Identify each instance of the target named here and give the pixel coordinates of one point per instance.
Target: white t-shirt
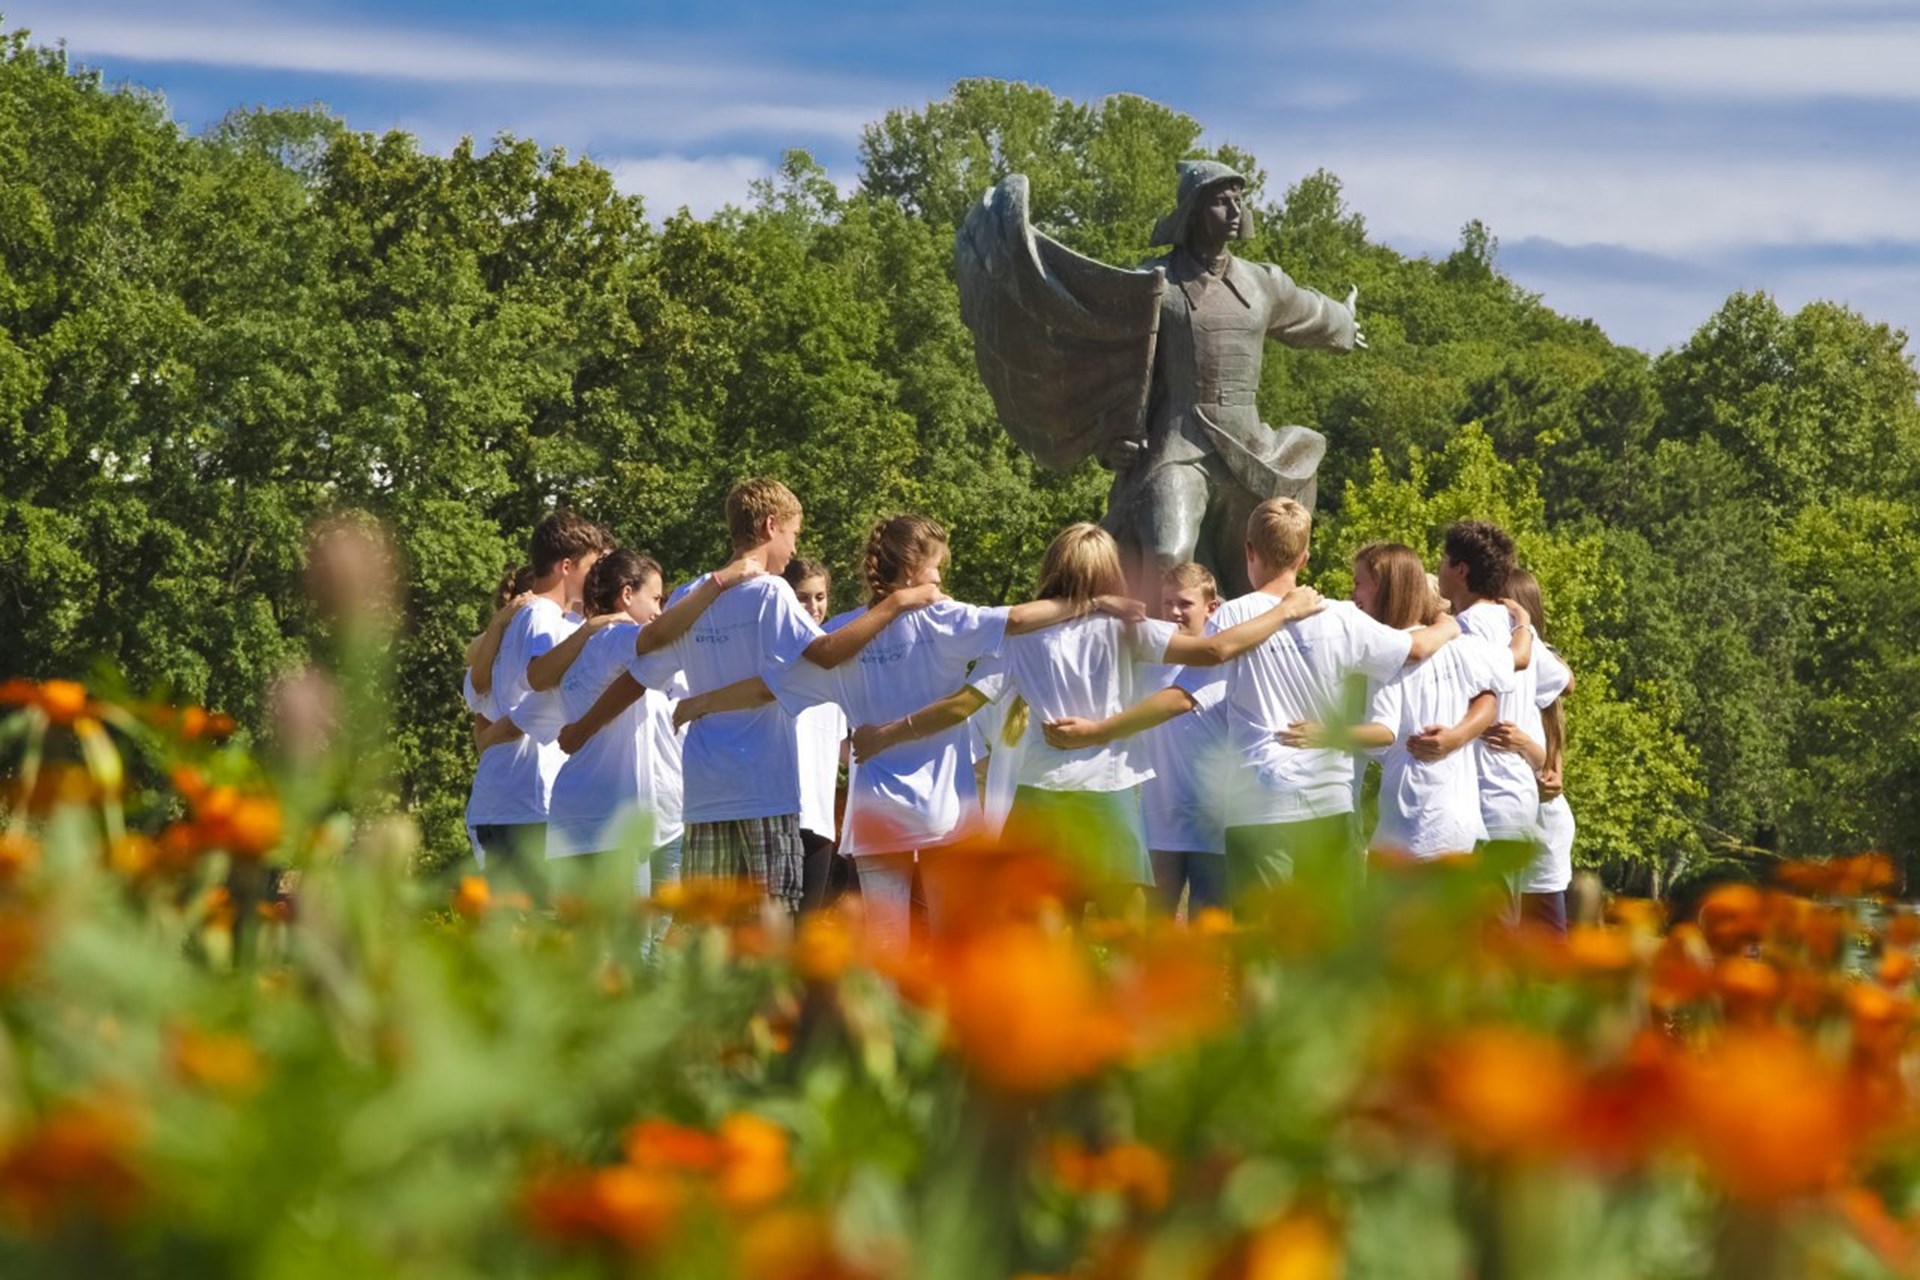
(1431, 807)
(609, 785)
(989, 738)
(1509, 791)
(481, 707)
(515, 779)
(665, 745)
(818, 732)
(1185, 804)
(1552, 868)
(738, 764)
(1298, 673)
(1087, 668)
(918, 794)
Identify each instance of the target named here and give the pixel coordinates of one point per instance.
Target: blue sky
(1637, 160)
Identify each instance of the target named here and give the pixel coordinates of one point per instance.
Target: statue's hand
(1120, 455)
(1353, 309)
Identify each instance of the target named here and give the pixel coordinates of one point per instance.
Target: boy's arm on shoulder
(1230, 642)
(679, 617)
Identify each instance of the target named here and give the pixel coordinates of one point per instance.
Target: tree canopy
(208, 340)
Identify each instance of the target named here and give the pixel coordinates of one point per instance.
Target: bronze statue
(1152, 371)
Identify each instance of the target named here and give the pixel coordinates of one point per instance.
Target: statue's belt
(1290, 459)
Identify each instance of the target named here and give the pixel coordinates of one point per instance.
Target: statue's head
(1201, 182)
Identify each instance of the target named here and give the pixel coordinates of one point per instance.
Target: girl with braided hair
(905, 809)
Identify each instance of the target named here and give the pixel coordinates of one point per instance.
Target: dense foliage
(206, 341)
(204, 1074)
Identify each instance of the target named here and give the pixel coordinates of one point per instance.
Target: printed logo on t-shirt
(877, 655)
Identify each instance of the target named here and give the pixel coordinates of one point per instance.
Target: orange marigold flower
(62, 701)
(661, 1144)
(1638, 915)
(19, 853)
(792, 1245)
(1748, 989)
(133, 856)
(823, 947)
(1879, 1019)
(1024, 1011)
(1504, 1091)
(472, 896)
(1130, 1169)
(1895, 968)
(254, 827)
(753, 1161)
(1902, 928)
(634, 1209)
(1626, 1109)
(1768, 1117)
(77, 1162)
(1731, 918)
(218, 1061)
(1298, 1246)
(1679, 974)
(1590, 949)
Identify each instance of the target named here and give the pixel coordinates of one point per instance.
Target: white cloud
(670, 97)
(1876, 60)
(1675, 203)
(700, 183)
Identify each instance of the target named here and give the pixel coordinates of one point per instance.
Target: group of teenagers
(1188, 753)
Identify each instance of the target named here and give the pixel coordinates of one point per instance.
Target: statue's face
(1217, 219)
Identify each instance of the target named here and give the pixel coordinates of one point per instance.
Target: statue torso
(1213, 333)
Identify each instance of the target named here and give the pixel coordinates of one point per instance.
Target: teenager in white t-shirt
(1292, 802)
(1082, 799)
(908, 804)
(740, 767)
(1184, 804)
(1474, 567)
(820, 735)
(605, 799)
(508, 806)
(1543, 882)
(1429, 801)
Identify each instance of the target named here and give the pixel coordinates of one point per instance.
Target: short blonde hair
(1082, 562)
(1188, 575)
(751, 503)
(1278, 531)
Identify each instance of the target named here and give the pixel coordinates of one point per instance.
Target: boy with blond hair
(1291, 802)
(740, 768)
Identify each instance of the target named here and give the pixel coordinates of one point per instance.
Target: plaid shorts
(766, 851)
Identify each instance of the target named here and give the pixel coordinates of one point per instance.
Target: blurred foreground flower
(77, 1162)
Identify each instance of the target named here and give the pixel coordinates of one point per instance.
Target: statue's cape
(1064, 343)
